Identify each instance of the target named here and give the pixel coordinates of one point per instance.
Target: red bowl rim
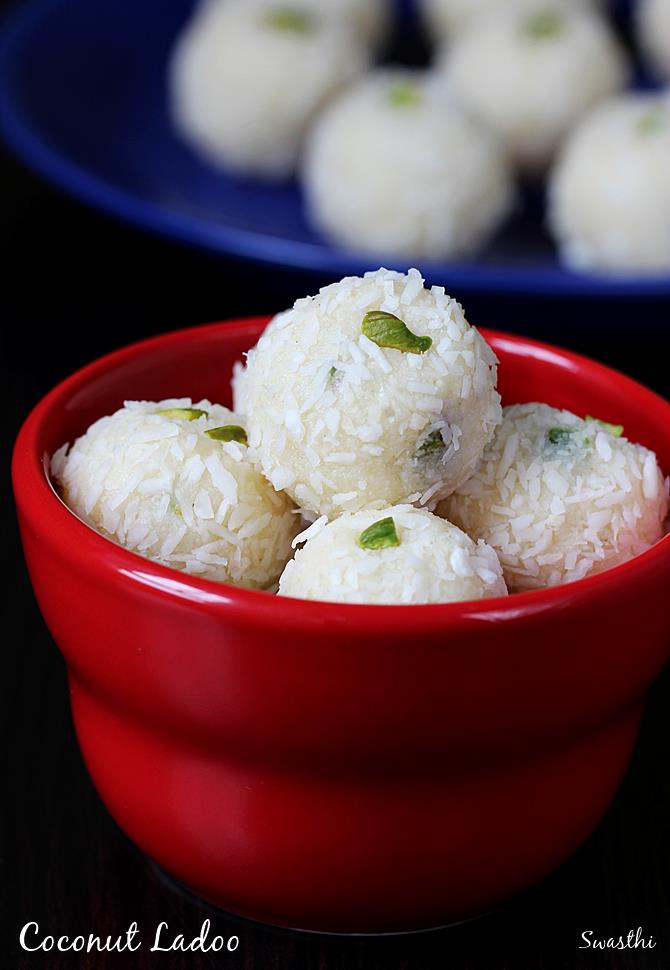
(35, 494)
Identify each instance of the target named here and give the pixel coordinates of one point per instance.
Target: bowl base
(182, 889)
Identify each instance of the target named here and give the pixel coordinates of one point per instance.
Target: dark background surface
(75, 285)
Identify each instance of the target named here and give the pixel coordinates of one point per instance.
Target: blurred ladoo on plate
(532, 71)
(396, 167)
(609, 196)
(248, 76)
(256, 86)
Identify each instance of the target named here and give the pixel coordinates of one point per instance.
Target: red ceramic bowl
(336, 767)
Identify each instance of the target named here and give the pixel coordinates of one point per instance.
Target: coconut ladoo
(532, 71)
(248, 76)
(560, 498)
(609, 195)
(374, 392)
(395, 166)
(400, 555)
(173, 482)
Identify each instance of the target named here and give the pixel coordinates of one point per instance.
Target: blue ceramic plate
(83, 101)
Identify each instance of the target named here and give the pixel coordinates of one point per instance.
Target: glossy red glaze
(342, 767)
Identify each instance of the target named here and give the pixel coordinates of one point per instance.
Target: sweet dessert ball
(374, 392)
(172, 481)
(532, 70)
(396, 167)
(609, 195)
(248, 77)
(397, 556)
(560, 498)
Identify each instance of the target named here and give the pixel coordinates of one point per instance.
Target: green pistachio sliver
(543, 25)
(379, 535)
(430, 444)
(289, 20)
(182, 414)
(403, 94)
(332, 372)
(613, 429)
(228, 432)
(387, 330)
(559, 436)
(652, 121)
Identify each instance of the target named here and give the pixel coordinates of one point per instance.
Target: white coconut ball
(159, 485)
(532, 73)
(609, 198)
(395, 167)
(248, 77)
(343, 420)
(395, 556)
(560, 498)
(652, 22)
(445, 18)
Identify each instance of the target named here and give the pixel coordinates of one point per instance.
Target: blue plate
(83, 101)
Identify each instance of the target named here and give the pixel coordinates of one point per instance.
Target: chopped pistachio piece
(379, 535)
(182, 414)
(229, 432)
(558, 436)
(332, 372)
(290, 20)
(430, 444)
(544, 25)
(387, 330)
(404, 94)
(653, 120)
(613, 429)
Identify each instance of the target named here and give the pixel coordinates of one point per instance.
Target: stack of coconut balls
(421, 163)
(368, 413)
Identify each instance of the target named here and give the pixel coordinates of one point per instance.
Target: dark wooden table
(76, 285)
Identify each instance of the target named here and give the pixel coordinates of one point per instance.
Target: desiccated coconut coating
(342, 422)
(396, 556)
(159, 485)
(560, 498)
